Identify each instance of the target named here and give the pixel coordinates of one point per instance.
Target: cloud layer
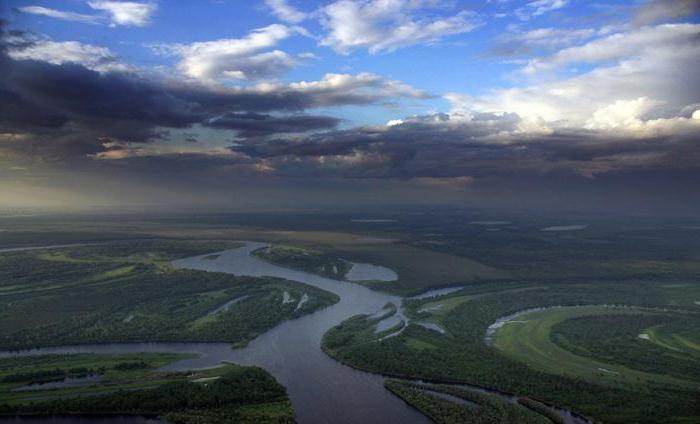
(384, 26)
(235, 58)
(114, 13)
(591, 101)
(69, 98)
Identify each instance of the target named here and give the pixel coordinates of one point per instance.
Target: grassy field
(129, 385)
(660, 343)
(527, 338)
(128, 292)
(117, 372)
(682, 341)
(568, 379)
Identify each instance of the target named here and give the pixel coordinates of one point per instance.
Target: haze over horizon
(560, 104)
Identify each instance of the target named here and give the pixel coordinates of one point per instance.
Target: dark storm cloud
(68, 112)
(250, 124)
(69, 103)
(665, 10)
(42, 95)
(484, 146)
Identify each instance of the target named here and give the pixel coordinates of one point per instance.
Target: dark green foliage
(55, 374)
(102, 294)
(21, 237)
(490, 409)
(310, 261)
(464, 356)
(615, 338)
(135, 365)
(541, 409)
(180, 401)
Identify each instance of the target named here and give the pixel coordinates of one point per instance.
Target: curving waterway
(321, 389)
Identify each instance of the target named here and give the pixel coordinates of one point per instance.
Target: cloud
(591, 105)
(363, 88)
(126, 117)
(41, 78)
(554, 37)
(384, 26)
(57, 53)
(235, 58)
(126, 13)
(285, 12)
(473, 148)
(115, 13)
(653, 63)
(655, 11)
(640, 42)
(58, 14)
(635, 110)
(539, 7)
(248, 124)
(520, 43)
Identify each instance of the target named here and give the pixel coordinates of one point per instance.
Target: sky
(289, 103)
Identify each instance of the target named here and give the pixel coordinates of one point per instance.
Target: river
(321, 389)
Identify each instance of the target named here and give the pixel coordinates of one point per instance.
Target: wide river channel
(321, 389)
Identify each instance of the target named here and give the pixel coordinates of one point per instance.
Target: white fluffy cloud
(641, 80)
(386, 25)
(341, 84)
(59, 14)
(236, 58)
(539, 7)
(552, 37)
(644, 41)
(126, 12)
(93, 57)
(284, 11)
(114, 13)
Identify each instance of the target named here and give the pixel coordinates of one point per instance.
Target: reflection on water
(321, 389)
(500, 322)
(437, 292)
(565, 228)
(369, 272)
(387, 323)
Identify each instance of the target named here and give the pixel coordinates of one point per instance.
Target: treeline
(616, 253)
(243, 387)
(56, 374)
(490, 410)
(616, 338)
(128, 366)
(464, 357)
(90, 304)
(542, 409)
(310, 261)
